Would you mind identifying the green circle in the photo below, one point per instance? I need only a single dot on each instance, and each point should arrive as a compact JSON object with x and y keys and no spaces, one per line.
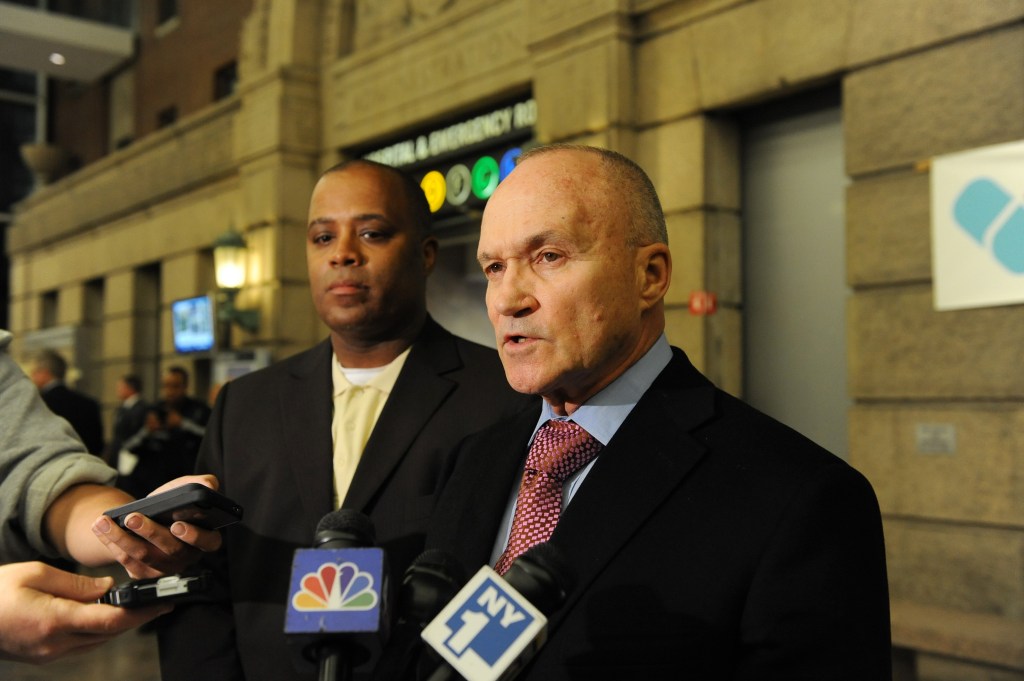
{"x":485,"y":177}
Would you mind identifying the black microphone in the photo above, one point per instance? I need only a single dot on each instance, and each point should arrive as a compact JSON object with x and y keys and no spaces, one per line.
{"x":336,"y":614}
{"x":494,"y":625}
{"x":344,"y":529}
{"x":543,"y":576}
{"x":429,"y":583}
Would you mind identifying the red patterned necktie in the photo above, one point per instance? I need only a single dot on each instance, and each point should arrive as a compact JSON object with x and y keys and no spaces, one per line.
{"x":560,"y":449}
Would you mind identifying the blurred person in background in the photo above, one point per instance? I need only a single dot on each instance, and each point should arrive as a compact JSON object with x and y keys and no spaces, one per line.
{"x":167,"y":443}
{"x":128,"y":420}
{"x":48,"y":372}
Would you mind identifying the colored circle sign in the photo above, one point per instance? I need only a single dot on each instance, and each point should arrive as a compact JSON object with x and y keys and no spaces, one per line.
{"x":485,"y":177}
{"x":433,"y":187}
{"x":459,"y":184}
{"x":508,"y":161}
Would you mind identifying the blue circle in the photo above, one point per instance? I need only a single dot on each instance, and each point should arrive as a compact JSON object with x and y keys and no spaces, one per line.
{"x":508,"y":162}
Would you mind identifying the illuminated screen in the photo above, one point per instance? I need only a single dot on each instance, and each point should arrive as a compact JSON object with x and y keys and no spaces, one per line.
{"x":193,"y":324}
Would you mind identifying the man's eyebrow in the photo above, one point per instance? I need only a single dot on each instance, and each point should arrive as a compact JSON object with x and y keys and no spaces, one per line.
{"x":530,"y":243}
{"x":367,"y":217}
{"x":323,"y":220}
{"x":362,"y":217}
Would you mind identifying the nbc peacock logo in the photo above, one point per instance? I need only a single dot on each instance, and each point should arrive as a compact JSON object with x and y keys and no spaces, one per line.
{"x":336,"y":586}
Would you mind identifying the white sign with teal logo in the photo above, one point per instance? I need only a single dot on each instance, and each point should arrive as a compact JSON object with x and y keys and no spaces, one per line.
{"x":978,"y":227}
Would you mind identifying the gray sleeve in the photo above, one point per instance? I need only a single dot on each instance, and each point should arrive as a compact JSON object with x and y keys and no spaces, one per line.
{"x":40,"y":457}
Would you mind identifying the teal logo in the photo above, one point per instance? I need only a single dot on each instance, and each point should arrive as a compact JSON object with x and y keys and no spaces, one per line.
{"x":994,"y":218}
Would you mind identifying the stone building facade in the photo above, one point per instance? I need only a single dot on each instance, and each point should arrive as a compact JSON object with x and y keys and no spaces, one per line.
{"x":101,"y":253}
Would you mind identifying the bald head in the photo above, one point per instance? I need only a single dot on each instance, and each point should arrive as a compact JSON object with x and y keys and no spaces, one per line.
{"x":627,"y":182}
{"x":414,"y":200}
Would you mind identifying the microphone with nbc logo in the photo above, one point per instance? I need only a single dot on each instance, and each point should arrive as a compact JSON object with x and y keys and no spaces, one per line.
{"x":336,"y":615}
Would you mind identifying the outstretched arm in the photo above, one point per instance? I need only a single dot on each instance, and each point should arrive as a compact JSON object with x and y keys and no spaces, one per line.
{"x":75,"y":521}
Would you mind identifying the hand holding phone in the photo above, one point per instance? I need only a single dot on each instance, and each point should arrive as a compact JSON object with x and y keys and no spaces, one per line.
{"x":192,"y":503}
{"x":138,"y":593}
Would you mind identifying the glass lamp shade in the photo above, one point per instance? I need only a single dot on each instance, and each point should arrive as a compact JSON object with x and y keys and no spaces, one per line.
{"x":229,"y":260}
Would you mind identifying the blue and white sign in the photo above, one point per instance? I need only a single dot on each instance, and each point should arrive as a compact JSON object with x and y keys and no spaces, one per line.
{"x":978,"y":227}
{"x":486,"y":628}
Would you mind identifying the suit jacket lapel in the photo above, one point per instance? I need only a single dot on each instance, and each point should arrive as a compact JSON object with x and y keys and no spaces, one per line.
{"x":305,"y":402}
{"x":647,"y":459}
{"x":419,"y":391}
{"x":489,"y":473}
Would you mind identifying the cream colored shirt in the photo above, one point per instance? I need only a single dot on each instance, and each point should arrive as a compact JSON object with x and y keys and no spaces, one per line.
{"x":359,"y":397}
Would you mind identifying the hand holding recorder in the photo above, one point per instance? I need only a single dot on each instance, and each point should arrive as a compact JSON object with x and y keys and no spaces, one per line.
{"x":46,"y":613}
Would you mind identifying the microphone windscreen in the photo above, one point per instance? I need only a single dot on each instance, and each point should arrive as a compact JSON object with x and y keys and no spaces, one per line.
{"x":543,"y":575}
{"x":430,"y":582}
{"x":441,"y":562}
{"x":346,"y":528}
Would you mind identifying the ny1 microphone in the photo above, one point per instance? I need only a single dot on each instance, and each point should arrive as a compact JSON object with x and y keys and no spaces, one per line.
{"x":336,"y":615}
{"x":494,"y":626}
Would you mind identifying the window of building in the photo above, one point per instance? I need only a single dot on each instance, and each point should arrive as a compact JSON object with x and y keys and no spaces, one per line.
{"x":167,"y":18}
{"x":225,"y":79}
{"x":91,"y":357}
{"x":121,"y":98}
{"x":166,"y":11}
{"x":166,"y":117}
{"x":18,"y":106}
{"x":48,"y":310}
{"x":145,"y":322}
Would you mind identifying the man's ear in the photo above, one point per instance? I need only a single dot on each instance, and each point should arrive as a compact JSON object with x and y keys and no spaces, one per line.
{"x":429,"y":255}
{"x":654,"y":266}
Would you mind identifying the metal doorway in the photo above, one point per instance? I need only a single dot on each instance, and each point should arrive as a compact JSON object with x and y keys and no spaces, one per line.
{"x":794,"y":266}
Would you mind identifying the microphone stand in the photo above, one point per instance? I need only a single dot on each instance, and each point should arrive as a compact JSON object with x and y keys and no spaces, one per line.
{"x":334,"y":663}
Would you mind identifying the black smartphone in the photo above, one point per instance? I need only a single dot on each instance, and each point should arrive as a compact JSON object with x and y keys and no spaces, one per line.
{"x":139,"y":593}
{"x":193,"y":503}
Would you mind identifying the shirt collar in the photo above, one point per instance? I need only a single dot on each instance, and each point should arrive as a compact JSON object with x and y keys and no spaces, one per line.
{"x":383,"y":381}
{"x":603,"y":413}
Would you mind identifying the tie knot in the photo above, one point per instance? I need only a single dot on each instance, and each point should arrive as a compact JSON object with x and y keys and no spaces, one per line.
{"x":561,"y":448}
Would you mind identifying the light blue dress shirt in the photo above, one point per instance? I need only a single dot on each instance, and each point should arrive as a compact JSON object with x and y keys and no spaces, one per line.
{"x":601,"y":416}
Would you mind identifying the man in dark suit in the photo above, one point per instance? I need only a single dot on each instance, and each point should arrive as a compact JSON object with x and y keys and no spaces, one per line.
{"x":708,"y":540}
{"x":168,"y":442}
{"x":359,"y":421}
{"x":81,"y":411}
{"x":129,"y":418}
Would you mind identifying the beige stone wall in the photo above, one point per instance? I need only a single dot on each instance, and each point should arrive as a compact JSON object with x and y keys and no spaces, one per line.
{"x":954,"y":520}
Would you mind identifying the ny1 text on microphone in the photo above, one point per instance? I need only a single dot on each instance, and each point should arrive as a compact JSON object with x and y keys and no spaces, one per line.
{"x":495,"y":625}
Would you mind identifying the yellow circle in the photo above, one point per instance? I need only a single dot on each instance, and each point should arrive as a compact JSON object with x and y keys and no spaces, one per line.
{"x":434,"y":188}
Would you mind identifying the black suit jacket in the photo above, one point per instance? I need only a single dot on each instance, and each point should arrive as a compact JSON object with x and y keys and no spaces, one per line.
{"x":269,"y":442}
{"x":709,"y":542}
{"x":81,"y":411}
{"x":127,"y":422}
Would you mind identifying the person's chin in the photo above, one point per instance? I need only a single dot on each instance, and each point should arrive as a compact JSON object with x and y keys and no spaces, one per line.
{"x":524,"y":379}
{"x":347,"y":317}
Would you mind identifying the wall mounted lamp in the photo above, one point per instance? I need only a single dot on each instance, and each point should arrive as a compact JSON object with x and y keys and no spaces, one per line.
{"x":229,"y":259}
